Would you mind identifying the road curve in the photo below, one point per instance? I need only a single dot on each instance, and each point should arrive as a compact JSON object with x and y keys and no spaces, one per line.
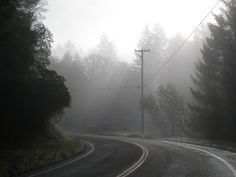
{"x":180,"y":160}
{"x":110,"y":158}
{"x":113,"y":157}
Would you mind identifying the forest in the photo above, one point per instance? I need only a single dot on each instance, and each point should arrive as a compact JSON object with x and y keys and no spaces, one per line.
{"x":49,"y":89}
{"x":192,"y":96}
{"x":100,"y":93}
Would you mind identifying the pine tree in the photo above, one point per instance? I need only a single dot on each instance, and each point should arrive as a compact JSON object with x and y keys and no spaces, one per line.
{"x":154,"y":40}
{"x":100,"y":61}
{"x":215,"y":79}
{"x":171,"y":107}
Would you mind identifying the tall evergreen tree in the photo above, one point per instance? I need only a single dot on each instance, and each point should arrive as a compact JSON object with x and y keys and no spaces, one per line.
{"x":31,"y":95}
{"x":171,"y":107}
{"x":100,"y":62}
{"x":215,"y":79}
{"x":156,"y":41}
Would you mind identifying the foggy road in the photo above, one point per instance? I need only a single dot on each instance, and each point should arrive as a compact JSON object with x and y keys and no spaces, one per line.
{"x":112,"y":157}
{"x":109,"y":158}
{"x":174,"y":160}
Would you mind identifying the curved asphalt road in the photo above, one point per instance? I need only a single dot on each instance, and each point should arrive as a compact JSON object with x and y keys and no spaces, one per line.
{"x":171,"y":160}
{"x":111,"y":157}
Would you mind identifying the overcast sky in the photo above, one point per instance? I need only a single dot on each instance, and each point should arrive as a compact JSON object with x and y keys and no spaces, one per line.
{"x":83,"y":21}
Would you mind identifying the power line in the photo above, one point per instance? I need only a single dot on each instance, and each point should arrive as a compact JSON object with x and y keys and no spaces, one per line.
{"x":104,"y":89}
{"x":165,"y":63}
{"x":183,"y":43}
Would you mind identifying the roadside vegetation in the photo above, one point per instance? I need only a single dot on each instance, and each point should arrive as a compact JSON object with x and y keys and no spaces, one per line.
{"x":33,"y":97}
{"x":45,"y":151}
{"x":225,"y":145}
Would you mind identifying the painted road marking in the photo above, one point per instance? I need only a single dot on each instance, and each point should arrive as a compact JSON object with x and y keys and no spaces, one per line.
{"x":66,"y":163}
{"x":206,"y":152}
{"x":137,"y":164}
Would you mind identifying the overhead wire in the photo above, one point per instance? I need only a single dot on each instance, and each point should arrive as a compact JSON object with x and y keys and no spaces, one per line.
{"x":105,"y":89}
{"x":183,"y":43}
{"x":164,"y":64}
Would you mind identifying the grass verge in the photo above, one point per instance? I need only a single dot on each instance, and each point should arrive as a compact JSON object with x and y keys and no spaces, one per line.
{"x":224,"y":145}
{"x":45,"y":151}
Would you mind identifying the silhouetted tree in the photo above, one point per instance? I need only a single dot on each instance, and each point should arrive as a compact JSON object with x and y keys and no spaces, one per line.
{"x":31,"y":95}
{"x":100,"y":62}
{"x":156,"y":41}
{"x":167,"y":109}
{"x":71,"y":67}
{"x":214,"y":111}
{"x":180,"y":68}
{"x":171,"y":107}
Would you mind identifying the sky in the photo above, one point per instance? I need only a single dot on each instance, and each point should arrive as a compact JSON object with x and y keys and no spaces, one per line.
{"x":84,"y":21}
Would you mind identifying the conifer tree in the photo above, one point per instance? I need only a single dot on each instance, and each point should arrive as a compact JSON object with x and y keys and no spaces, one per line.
{"x":213,"y":113}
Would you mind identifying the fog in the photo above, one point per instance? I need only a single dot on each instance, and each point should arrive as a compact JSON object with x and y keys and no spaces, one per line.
{"x":153,"y":69}
{"x":106,"y":91}
{"x":84,"y":21}
{"x":94,"y":52}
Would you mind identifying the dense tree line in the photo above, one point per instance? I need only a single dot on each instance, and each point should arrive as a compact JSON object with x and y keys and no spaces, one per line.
{"x":213,"y":113}
{"x":31,"y":94}
{"x":116,"y":107}
{"x":94,"y":81}
{"x":95,"y":109}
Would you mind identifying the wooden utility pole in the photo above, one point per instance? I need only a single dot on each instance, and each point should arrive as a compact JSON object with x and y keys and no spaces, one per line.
{"x":142,"y":107}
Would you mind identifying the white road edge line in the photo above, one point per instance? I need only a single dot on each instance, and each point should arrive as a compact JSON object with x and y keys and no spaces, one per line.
{"x":66,"y":163}
{"x":207,"y":152}
{"x":137,"y":164}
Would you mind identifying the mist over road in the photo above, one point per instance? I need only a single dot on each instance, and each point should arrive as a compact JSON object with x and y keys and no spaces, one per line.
{"x":112,"y":157}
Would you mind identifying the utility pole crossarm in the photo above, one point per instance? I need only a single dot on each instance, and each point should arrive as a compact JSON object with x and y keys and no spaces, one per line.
{"x":142,"y":50}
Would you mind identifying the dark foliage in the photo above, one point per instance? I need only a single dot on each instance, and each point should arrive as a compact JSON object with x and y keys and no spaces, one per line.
{"x":31,"y":95}
{"x":167,"y":109}
{"x":214,"y":112}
